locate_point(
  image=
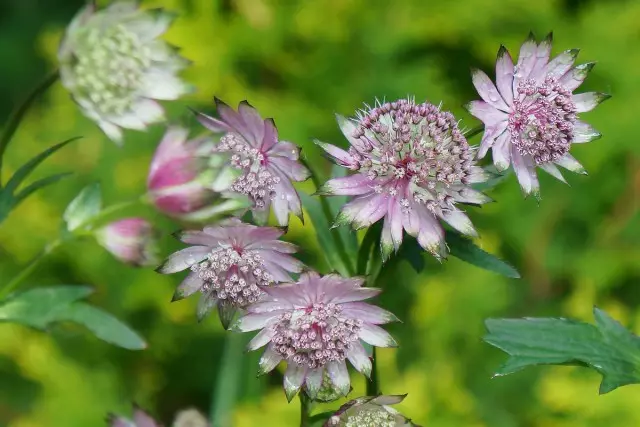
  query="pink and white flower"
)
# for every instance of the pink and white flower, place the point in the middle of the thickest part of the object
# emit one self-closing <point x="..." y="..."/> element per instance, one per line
<point x="188" y="182"/>
<point x="232" y="264"/>
<point x="372" y="411"/>
<point x="531" y="114"/>
<point x="412" y="165"/>
<point x="140" y="419"/>
<point x="131" y="240"/>
<point x="268" y="166"/>
<point x="315" y="325"/>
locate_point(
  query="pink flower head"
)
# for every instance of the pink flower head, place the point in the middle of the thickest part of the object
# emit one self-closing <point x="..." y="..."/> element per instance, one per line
<point x="530" y="114"/>
<point x="232" y="264"/>
<point x="185" y="181"/>
<point x="268" y="166"/>
<point x="370" y="412"/>
<point x="140" y="419"/>
<point x="131" y="240"/>
<point x="412" y="165"/>
<point x="316" y="325"/>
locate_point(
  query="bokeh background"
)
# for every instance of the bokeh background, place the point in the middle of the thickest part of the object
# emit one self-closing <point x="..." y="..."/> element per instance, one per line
<point x="300" y="62"/>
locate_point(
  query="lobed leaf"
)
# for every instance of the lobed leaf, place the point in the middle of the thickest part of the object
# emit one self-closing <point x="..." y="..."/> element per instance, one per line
<point x="607" y="346"/>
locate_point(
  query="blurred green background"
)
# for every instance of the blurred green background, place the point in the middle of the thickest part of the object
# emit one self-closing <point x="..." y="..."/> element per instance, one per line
<point x="300" y="62"/>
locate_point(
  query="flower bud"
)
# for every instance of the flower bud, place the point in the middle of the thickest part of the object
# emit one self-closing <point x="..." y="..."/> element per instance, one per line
<point x="190" y="418"/>
<point x="187" y="181"/>
<point x="130" y="240"/>
<point x="140" y="419"/>
<point x="370" y="412"/>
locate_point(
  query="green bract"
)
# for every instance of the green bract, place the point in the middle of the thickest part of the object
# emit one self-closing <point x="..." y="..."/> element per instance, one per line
<point x="115" y="66"/>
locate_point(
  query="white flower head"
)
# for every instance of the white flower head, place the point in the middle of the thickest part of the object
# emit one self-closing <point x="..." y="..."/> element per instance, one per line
<point x="115" y="67"/>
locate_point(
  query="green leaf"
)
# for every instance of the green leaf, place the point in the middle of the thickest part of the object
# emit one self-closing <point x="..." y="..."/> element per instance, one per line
<point x="464" y="249"/>
<point x="607" y="347"/>
<point x="324" y="233"/>
<point x="39" y="184"/>
<point x="84" y="207"/>
<point x="413" y="253"/>
<point x="41" y="307"/>
<point x="23" y="172"/>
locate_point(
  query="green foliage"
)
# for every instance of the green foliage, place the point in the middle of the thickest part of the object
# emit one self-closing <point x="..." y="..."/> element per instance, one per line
<point x="467" y="251"/>
<point x="10" y="197"/>
<point x="606" y="346"/>
<point x="84" y="207"/>
<point x="42" y="307"/>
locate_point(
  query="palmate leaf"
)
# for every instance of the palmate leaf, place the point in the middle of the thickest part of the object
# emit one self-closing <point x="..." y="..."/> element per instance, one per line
<point x="10" y="197"/>
<point x="42" y="307"/>
<point x="607" y="346"/>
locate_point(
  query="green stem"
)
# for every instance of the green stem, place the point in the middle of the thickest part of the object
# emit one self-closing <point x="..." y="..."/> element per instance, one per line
<point x="226" y="388"/>
<point x="473" y="132"/>
<point x="18" y="113"/>
<point x="305" y="410"/>
<point x="373" y="385"/>
<point x="51" y="246"/>
<point x="35" y="261"/>
<point x="326" y="210"/>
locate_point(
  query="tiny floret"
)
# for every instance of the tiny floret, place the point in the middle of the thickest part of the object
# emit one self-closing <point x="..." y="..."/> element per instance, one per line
<point x="531" y="114"/>
<point x="315" y="325"/>
<point x="411" y="165"/>
<point x="232" y="264"/>
<point x="115" y="67"/>
<point x="266" y="166"/>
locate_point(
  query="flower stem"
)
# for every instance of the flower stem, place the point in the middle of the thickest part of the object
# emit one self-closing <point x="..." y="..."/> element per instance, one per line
<point x="373" y="385"/>
<point x="474" y="131"/>
<point x="18" y="113"/>
<point x="305" y="410"/>
<point x="225" y="389"/>
<point x="326" y="209"/>
<point x="66" y="237"/>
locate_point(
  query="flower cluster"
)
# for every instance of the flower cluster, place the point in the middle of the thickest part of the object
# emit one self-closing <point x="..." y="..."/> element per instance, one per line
<point x="531" y="114"/>
<point x="370" y="412"/>
<point x="412" y="166"/>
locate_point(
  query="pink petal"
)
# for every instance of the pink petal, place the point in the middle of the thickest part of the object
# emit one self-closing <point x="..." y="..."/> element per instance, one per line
<point x="460" y="221"/>
<point x="504" y="75"/>
<point x="583" y="132"/>
<point x="357" y="294"/>
<point x="314" y="381"/>
<point x="142" y="419"/>
<point x="487" y="90"/>
<point x="431" y="236"/>
<point x="339" y="376"/>
<point x="234" y="120"/>
<point x="575" y="76"/>
<point x="270" y="306"/>
<point x="489" y="137"/>
<point x="394" y="216"/>
<point x="293" y="379"/>
<point x="411" y="219"/>
<point x="213" y="124"/>
<point x="469" y="195"/>
<point x="270" y="135"/>
<point x="526" y="61"/>
<point x="290" y="292"/>
<point x="285" y="149"/>
<point x="261" y="339"/>
<point x="206" y="303"/>
<point x="269" y="360"/>
<point x="254" y="123"/>
<point x="489" y="115"/>
<point x="525" y="173"/>
<point x="254" y="321"/>
<point x="552" y="170"/>
<point x="274" y="245"/>
<point x="171" y="146"/>
<point x="338" y="155"/>
<point x="257" y="234"/>
<point x="353" y="185"/>
<point x="589" y="100"/>
<point x="197" y="238"/>
<point x="190" y="285"/>
<point x="543" y="52"/>
<point x="359" y="358"/>
<point x="368" y="313"/>
<point x="292" y="169"/>
<point x="561" y="63"/>
<point x="183" y="259"/>
<point x="363" y="210"/>
<point x="570" y="163"/>
<point x="287" y="262"/>
<point x="348" y="127"/>
<point x="501" y="151"/>
<point x="376" y="336"/>
<point x="277" y="271"/>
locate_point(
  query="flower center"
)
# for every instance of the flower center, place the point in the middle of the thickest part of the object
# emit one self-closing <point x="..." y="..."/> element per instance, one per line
<point x="411" y="150"/>
<point x="371" y="417"/>
<point x="256" y="181"/>
<point x="233" y="275"/>
<point x="110" y="66"/>
<point x="541" y="125"/>
<point x="315" y="335"/>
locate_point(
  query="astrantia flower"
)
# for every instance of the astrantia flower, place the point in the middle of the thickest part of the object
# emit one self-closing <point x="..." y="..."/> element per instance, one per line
<point x="315" y="325"/>
<point x="232" y="264"/>
<point x="531" y="117"/>
<point x="267" y="166"/>
<point x="412" y="165"/>
<point x="370" y="412"/>
<point x="115" y="66"/>
<point x="186" y="181"/>
<point x="131" y="240"/>
<point x="140" y="419"/>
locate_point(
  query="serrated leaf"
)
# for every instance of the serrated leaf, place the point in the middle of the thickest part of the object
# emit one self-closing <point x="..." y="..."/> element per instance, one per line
<point x="84" y="207"/>
<point x="23" y="172"/>
<point x="323" y="233"/>
<point x="607" y="346"/>
<point x="40" y="308"/>
<point x="464" y="249"/>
